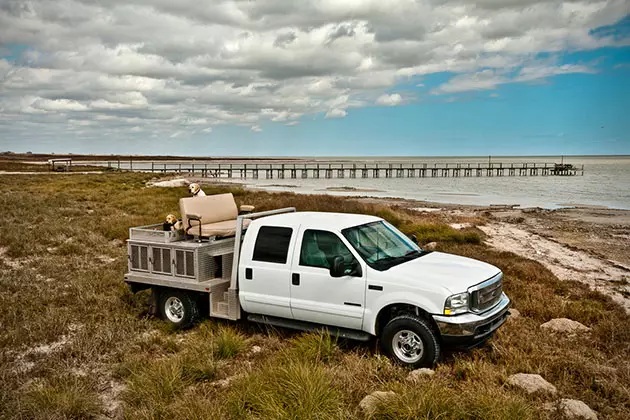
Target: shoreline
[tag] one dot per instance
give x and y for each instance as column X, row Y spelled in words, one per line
column 583, row 243
column 347, row 192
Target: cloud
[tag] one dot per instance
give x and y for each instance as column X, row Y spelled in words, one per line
column 256, row 128
column 144, row 69
column 491, row 78
column 389, row 100
column 336, row 113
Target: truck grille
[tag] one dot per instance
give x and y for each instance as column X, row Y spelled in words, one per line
column 487, row 294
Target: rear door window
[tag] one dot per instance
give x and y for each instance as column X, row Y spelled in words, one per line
column 272, row 244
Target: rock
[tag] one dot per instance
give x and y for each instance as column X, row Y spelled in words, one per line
column 576, row 409
column 514, row 314
column 224, row 383
column 430, row 245
column 255, row 350
column 90, row 211
column 170, row 183
column 116, row 242
column 460, row 226
column 564, row 325
column 531, row 383
column 370, row 403
column 416, row 375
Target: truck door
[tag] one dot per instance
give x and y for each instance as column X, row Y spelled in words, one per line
column 265, row 273
column 316, row 296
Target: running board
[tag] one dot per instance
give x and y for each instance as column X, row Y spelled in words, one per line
column 309, row 326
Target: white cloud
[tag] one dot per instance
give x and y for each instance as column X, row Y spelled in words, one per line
column 59, row 105
column 389, row 100
column 256, row 128
column 171, row 68
column 336, row 113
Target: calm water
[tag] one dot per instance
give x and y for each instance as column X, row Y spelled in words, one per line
column 606, row 182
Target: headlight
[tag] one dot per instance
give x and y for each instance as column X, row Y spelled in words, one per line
column 456, row 304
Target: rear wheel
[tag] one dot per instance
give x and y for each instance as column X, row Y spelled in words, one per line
column 411, row 341
column 178, row 308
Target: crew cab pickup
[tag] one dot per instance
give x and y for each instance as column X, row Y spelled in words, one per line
column 355, row 275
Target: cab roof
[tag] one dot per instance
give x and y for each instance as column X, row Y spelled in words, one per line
column 316, row 220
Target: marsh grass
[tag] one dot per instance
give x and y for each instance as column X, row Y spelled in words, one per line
column 60, row 397
column 317, row 346
column 287, row 389
column 73, row 326
column 228, row 343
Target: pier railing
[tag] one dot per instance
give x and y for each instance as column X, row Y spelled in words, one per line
column 348, row 170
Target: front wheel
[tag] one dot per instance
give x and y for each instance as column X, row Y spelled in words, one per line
column 411, row 341
column 178, row 308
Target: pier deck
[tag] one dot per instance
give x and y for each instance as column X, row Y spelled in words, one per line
column 350, row 170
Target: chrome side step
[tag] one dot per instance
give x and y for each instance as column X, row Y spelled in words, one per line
column 309, row 326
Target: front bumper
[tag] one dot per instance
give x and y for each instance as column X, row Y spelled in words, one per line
column 470, row 328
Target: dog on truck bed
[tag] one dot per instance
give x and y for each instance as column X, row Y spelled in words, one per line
column 172, row 223
column 196, row 191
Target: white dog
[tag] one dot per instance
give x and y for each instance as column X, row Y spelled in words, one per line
column 196, row 190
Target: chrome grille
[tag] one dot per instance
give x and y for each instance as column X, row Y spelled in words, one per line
column 487, row 294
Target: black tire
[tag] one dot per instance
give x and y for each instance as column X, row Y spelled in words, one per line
column 178, row 308
column 430, row 352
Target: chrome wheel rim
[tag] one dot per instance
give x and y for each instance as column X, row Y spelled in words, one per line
column 407, row 346
column 174, row 309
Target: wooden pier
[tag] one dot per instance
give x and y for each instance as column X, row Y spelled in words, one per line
column 351, row 170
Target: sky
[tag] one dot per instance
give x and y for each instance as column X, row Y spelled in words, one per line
column 315, row 78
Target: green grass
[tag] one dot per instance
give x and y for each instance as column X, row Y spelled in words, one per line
column 62, row 260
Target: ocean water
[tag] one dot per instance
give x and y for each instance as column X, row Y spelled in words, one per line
column 606, row 182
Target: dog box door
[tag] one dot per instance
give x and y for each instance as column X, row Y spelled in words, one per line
column 138, row 257
column 161, row 260
column 184, row 263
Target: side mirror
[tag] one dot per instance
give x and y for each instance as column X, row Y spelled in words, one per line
column 337, row 268
column 414, row 239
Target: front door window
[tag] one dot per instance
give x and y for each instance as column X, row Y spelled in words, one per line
column 319, row 249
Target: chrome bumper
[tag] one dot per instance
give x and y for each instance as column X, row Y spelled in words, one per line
column 476, row 326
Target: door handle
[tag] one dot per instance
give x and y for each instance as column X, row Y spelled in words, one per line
column 248, row 273
column 295, row 279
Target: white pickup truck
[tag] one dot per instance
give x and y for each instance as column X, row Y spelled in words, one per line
column 356, row 275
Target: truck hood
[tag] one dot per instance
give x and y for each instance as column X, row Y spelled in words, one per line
column 449, row 271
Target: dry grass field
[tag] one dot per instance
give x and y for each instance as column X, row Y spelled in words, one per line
column 75, row 343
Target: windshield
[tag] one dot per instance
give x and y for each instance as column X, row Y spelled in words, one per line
column 381, row 245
